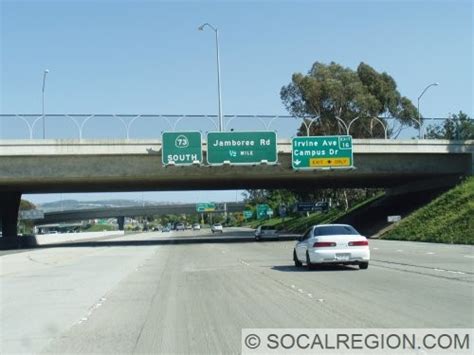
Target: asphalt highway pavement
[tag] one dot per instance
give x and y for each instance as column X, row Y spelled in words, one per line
column 143, row 294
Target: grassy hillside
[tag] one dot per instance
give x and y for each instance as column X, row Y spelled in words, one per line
column 300, row 224
column 447, row 219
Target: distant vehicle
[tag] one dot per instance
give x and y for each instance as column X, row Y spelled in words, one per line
column 196, row 227
column 165, row 229
column 217, row 228
column 180, row 227
column 332, row 244
column 266, row 232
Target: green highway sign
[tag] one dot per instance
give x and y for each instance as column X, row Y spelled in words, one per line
column 242, row 148
column 248, row 214
column 262, row 211
column 206, row 207
column 321, row 152
column 181, row 148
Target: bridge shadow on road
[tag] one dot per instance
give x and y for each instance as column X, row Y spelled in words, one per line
column 106, row 242
column 322, row 268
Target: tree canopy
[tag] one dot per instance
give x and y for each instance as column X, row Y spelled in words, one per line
column 331, row 92
column 459, row 126
column 26, row 205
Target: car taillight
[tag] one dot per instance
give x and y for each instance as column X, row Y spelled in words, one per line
column 359, row 243
column 324, row 244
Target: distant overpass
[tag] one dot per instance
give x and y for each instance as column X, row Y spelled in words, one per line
column 132, row 211
column 46, row 166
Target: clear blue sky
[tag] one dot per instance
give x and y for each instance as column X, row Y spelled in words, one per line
column 148, row 57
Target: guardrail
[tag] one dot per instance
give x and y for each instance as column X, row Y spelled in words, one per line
column 74, row 125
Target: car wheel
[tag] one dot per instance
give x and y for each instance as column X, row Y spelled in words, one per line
column 257, row 238
column 295, row 259
column 363, row 266
column 308, row 262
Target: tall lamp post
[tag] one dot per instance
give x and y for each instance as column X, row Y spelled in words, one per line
column 201, row 28
column 42, row 109
column 419, row 115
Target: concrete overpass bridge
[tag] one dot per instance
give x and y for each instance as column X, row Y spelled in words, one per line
column 42, row 166
column 132, row 211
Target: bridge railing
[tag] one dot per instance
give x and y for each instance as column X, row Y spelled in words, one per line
column 128, row 126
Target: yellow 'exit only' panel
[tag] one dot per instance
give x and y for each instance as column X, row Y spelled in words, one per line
column 317, row 162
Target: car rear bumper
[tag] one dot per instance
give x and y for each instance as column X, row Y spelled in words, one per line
column 340, row 256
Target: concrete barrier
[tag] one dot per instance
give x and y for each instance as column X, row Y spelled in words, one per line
column 43, row 239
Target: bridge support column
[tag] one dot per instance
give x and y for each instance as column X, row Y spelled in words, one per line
column 9, row 207
column 121, row 223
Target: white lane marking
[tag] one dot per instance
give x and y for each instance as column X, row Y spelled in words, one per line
column 469, row 256
column 451, row 272
column 92, row 309
column 430, row 253
column 375, row 248
column 399, row 250
column 321, row 300
column 293, row 286
column 310, row 295
column 300, row 290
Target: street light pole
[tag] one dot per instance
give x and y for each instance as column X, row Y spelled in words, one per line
column 419, row 115
column 216, row 31
column 42, row 101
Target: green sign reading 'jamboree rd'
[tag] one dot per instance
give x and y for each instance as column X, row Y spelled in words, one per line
column 181, row 148
column 319, row 152
column 241, row 148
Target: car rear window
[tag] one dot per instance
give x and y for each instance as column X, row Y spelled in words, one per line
column 267, row 227
column 334, row 230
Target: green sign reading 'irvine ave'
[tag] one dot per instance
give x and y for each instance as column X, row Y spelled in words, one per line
column 319, row 152
column 181, row 148
column 241, row 148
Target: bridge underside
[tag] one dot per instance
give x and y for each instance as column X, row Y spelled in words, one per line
column 145, row 172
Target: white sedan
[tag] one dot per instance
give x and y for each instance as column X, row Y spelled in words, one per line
column 332, row 244
column 216, row 228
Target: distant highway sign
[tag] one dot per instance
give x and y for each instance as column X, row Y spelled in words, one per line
column 181, row 148
column 206, row 207
column 241, row 148
column 248, row 214
column 319, row 152
column 311, row 206
column 262, row 210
